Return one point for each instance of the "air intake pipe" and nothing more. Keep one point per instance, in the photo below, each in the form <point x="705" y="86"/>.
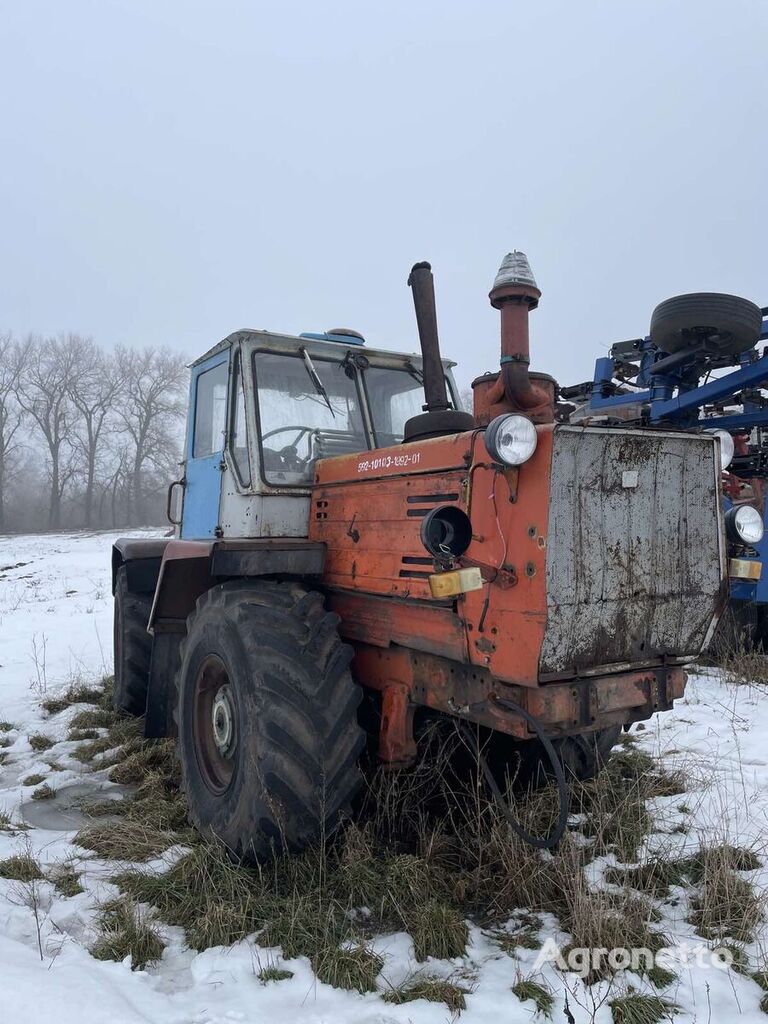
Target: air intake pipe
<point x="515" y="293"/>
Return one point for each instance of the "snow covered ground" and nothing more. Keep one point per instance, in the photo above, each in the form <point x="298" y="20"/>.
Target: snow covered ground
<point x="55" y="627"/>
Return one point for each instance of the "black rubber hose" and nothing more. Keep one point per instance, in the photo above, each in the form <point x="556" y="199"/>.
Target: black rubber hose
<point x="556" y="835"/>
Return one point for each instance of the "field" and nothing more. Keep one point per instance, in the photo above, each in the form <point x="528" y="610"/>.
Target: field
<point x="128" y="917"/>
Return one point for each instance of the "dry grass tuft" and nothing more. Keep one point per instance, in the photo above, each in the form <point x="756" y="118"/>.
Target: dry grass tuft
<point x="658" y="875"/>
<point x="353" y="967"/>
<point x="144" y="757"/>
<point x="215" y="900"/>
<point x="524" y="937"/>
<point x="76" y="694"/>
<point x="87" y="752"/>
<point x="636" y="1008"/>
<point x="39" y="742"/>
<point x="437" y="930"/>
<point x="727" y="905"/>
<point x="33" y="780"/>
<point x="94" y="718"/>
<point x="7" y="824"/>
<point x="66" y="880"/>
<point x="272" y="973"/>
<point x="127" y="839"/>
<point x="20" y="868"/>
<point x="126" y="931"/>
<point x="6" y="726"/>
<point x="541" y="994"/>
<point x="734" y="652"/>
<point x="79" y="735"/>
<point x="435" y="990"/>
<point x="615" y="802"/>
<point x="44" y="792"/>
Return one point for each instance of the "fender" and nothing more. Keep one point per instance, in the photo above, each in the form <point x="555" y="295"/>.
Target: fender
<point x="142" y="556"/>
<point x="190" y="567"/>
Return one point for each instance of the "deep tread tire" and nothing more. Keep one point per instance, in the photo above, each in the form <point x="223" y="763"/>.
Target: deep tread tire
<point x="132" y="647"/>
<point x="298" y="739"/>
<point x="676" y="321"/>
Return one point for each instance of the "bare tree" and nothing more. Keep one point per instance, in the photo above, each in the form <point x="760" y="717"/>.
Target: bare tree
<point x="150" y="408"/>
<point x="93" y="387"/>
<point x="43" y="391"/>
<point x="12" y="361"/>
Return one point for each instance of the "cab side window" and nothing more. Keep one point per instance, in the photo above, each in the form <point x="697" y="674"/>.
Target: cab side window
<point x="238" y="439"/>
<point x="210" y="411"/>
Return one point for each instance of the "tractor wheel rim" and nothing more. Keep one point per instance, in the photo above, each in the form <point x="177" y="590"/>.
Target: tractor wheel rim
<point x="215" y="724"/>
<point x="222" y="719"/>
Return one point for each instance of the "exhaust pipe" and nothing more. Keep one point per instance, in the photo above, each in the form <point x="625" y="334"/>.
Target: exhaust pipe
<point x="422" y="285"/>
<point x="438" y="418"/>
<point x="515" y="293"/>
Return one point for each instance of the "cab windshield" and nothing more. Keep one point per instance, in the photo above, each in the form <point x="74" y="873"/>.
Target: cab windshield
<point x="305" y="415"/>
<point x="394" y="395"/>
<point x="310" y="408"/>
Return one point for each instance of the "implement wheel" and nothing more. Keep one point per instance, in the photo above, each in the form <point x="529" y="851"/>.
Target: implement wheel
<point x="731" y="323"/>
<point x="266" y="711"/>
<point x="132" y="647"/>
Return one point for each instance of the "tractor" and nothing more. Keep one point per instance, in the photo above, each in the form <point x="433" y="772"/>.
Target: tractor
<point x="353" y="555"/>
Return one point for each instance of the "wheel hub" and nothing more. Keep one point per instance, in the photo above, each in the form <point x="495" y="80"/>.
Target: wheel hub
<point x="214" y="724"/>
<point x="222" y="719"/>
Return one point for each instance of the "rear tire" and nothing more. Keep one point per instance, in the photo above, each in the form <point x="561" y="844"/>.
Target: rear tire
<point x="132" y="647"/>
<point x="266" y="710"/>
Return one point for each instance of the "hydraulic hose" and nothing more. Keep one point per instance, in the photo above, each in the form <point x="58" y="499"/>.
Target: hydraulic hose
<point x="547" y="842"/>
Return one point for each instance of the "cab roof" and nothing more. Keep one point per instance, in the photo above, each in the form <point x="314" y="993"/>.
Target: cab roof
<point x="292" y="342"/>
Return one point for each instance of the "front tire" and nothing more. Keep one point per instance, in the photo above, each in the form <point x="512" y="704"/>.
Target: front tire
<point x="132" y="647"/>
<point x="267" y="718"/>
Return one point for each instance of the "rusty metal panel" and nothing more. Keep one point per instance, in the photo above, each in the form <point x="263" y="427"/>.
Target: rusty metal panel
<point x="635" y="553"/>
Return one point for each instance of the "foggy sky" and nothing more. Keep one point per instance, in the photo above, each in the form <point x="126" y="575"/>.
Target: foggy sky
<point x="172" y="170"/>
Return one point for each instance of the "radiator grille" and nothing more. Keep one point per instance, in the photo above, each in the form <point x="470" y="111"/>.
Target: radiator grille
<point x="635" y="559"/>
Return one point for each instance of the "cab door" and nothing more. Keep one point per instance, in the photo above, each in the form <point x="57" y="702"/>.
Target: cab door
<point x="205" y="447"/>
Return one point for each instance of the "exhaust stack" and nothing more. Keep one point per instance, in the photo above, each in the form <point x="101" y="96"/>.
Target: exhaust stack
<point x="439" y="416"/>
<point x="422" y="284"/>
<point x="515" y="293"/>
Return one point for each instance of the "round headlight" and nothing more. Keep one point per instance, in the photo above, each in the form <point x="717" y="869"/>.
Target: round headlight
<point x="744" y="524"/>
<point x="511" y="439"/>
<point x="726" y="447"/>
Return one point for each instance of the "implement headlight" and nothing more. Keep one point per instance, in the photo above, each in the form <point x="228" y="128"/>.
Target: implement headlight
<point x="511" y="439"/>
<point x="726" y="446"/>
<point x="744" y="524"/>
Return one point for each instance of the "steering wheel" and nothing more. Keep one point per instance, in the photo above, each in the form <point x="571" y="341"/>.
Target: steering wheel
<point x="289" y="455"/>
<point x="282" y="430"/>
